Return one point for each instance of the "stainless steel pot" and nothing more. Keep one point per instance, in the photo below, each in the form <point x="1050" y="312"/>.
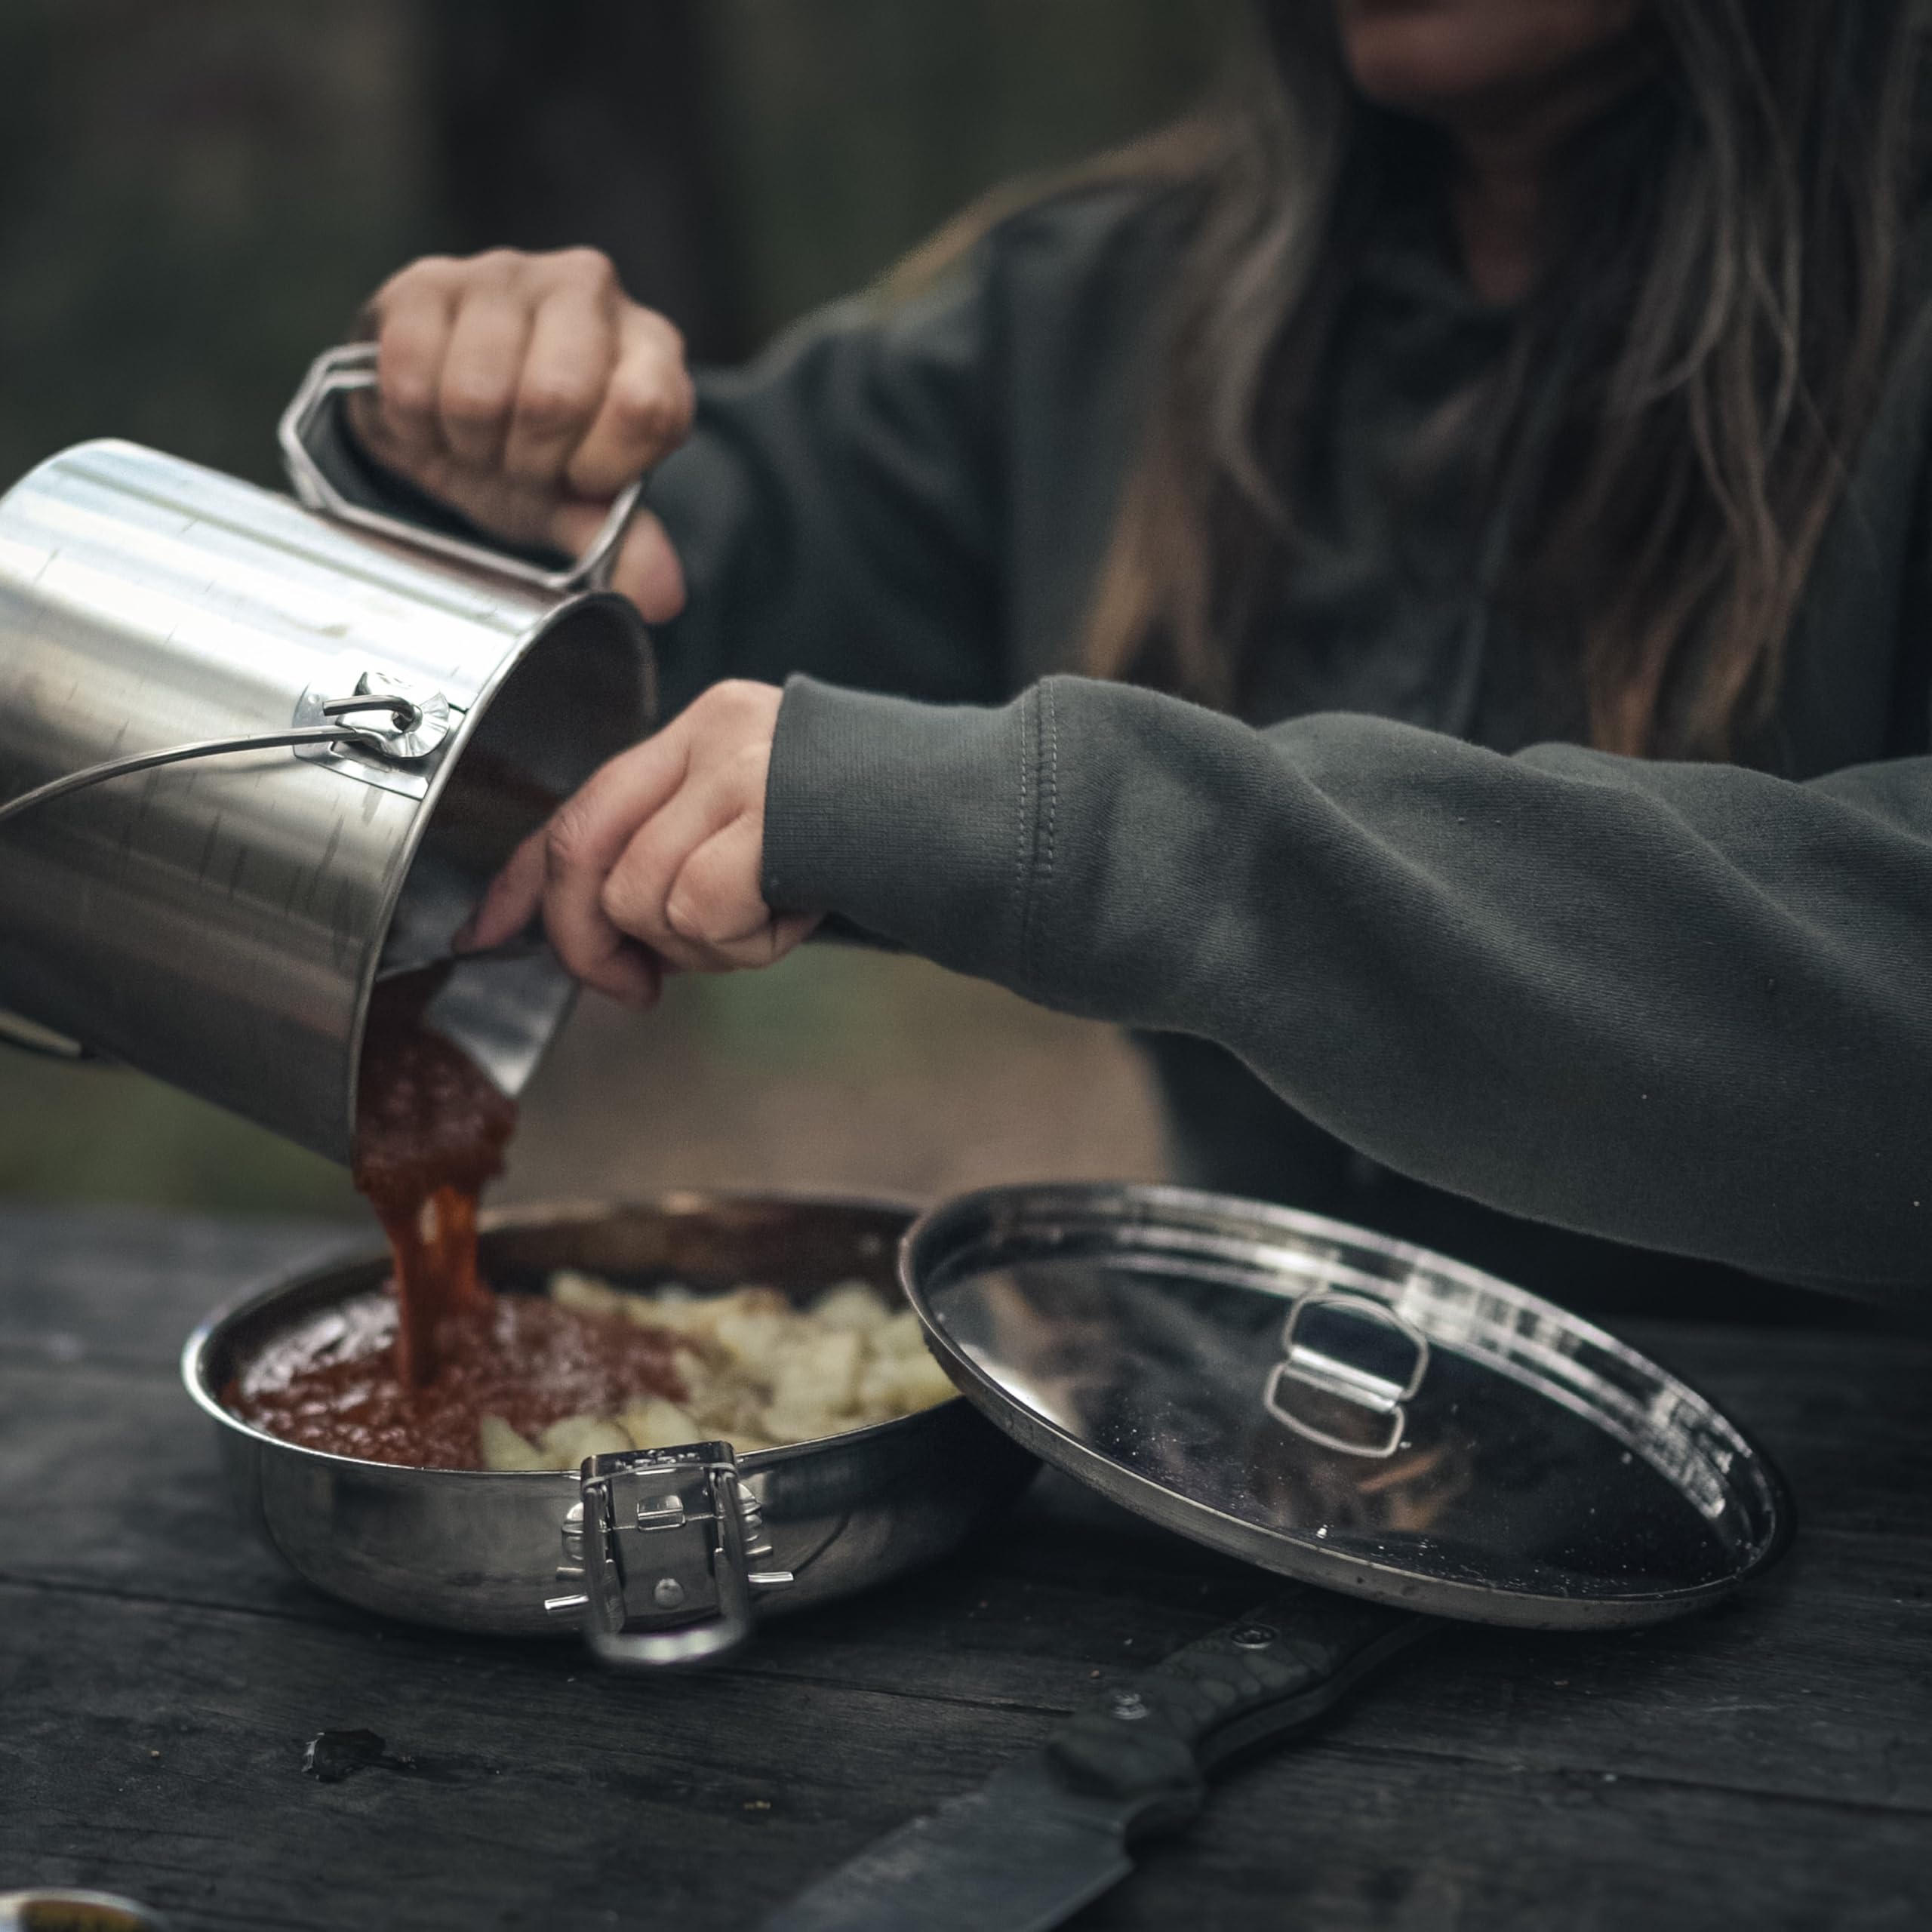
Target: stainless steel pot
<point x="253" y="755"/>
<point x="467" y="1550"/>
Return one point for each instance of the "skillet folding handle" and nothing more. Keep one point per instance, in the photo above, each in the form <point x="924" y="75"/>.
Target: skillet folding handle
<point x="339" y="372"/>
<point x="662" y="1542"/>
<point x="1151" y="1742"/>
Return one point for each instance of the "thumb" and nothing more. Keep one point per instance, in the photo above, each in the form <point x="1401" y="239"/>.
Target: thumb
<point x="648" y="571"/>
<point x="511" y="901"/>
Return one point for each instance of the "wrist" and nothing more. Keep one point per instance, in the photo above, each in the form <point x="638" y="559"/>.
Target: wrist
<point x="916" y="822"/>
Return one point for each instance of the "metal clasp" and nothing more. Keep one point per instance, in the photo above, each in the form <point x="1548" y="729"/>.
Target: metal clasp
<point x="397" y="726"/>
<point x="661" y="1542"/>
<point x="1352" y="1382"/>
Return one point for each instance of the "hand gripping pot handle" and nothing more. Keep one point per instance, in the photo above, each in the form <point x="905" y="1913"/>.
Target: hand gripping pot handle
<point x="352" y="368"/>
<point x="376" y="717"/>
<point x="418" y="723"/>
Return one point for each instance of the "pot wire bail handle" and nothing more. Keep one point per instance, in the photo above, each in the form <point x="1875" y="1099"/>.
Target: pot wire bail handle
<point x="411" y="722"/>
<point x="352" y="368"/>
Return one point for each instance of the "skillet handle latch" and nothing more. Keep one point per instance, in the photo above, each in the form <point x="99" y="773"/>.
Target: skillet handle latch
<point x="661" y="1545"/>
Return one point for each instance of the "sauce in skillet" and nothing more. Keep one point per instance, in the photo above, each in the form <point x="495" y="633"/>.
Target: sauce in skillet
<point x="430" y="1127"/>
<point x="334" y="1386"/>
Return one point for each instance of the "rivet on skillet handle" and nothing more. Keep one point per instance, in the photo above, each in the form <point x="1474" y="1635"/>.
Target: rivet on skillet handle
<point x="1346" y="1381"/>
<point x="661" y="1542"/>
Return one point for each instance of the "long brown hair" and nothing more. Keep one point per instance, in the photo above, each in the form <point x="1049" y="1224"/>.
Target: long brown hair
<point x="1699" y="357"/>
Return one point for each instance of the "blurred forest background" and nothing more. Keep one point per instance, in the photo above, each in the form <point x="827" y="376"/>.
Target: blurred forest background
<point x="195" y="197"/>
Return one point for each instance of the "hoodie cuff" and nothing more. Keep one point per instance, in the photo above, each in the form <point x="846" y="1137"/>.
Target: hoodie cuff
<point x="923" y="824"/>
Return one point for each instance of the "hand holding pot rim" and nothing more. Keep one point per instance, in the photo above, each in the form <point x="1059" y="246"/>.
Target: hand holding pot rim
<point x="528" y="392"/>
<point x="657" y="862"/>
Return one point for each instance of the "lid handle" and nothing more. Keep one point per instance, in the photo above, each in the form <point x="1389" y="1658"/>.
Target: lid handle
<point x="1358" y="1383"/>
<point x="338" y="371"/>
<point x="659" y="1547"/>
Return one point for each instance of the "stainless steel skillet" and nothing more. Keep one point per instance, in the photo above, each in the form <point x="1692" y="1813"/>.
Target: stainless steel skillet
<point x="474" y="1551"/>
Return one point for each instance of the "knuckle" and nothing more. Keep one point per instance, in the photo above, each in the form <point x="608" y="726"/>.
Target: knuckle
<point x="567" y="844"/>
<point x="590" y="268"/>
<point x="667" y="332"/>
<point x="646" y="409"/>
<point x="408" y="392"/>
<point x="474" y="402"/>
<point x="555" y="402"/>
<point x="620" y="902"/>
<point x="739" y="699"/>
<point x="427" y="275"/>
<point x="694" y="910"/>
<point x="496" y="265"/>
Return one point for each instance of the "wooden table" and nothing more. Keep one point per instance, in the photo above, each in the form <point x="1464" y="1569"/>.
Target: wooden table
<point x="1770" y="1765"/>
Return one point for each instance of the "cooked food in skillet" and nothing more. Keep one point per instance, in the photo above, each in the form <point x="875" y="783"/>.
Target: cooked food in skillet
<point x="755" y="1371"/>
<point x="527" y="1381"/>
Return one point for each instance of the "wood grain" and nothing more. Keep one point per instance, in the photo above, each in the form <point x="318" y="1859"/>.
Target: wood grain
<point x="1770" y="1765"/>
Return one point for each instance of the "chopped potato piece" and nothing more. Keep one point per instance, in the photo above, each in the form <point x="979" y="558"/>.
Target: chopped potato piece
<point x="818" y="1369"/>
<point x="900" y="1335"/>
<point x="504" y="1449"/>
<point x="850" y="1305"/>
<point x="757" y="1372"/>
<point x="584" y="1294"/>
<point x="567" y="1443"/>
<point x="654" y="1423"/>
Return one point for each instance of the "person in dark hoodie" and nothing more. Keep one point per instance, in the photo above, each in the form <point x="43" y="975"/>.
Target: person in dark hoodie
<point x="1410" y="593"/>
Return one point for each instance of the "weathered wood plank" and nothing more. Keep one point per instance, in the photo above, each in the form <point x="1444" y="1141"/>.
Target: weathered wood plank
<point x="128" y="1286"/>
<point x="1770" y="1765"/>
<point x="1812" y="1683"/>
<point x="544" y="1794"/>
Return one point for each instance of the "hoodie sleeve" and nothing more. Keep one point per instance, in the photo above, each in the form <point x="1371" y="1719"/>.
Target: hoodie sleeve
<point x="1687" y="1007"/>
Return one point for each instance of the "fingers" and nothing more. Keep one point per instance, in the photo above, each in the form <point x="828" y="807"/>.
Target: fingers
<point x="687" y="883"/>
<point x="480" y="368"/>
<point x="511" y="362"/>
<point x="585" y="841"/>
<point x="644" y="412"/>
<point x="655" y="864"/>
<point x="714" y="905"/>
<point x="513" y="900"/>
<point x="529" y="393"/>
<point x="568" y="365"/>
<point x="638" y="892"/>
<point x="624" y="971"/>
<point x="412" y="315"/>
<point x="647" y="570"/>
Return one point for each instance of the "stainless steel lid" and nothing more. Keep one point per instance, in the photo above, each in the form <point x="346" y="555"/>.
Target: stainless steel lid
<point x="1341" y="1407"/>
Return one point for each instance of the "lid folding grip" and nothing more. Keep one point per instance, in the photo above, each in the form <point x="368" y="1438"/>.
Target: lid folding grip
<point x="1358" y="1383"/>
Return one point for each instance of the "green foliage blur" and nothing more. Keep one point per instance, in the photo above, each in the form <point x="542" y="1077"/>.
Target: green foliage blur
<point x="196" y="197"/>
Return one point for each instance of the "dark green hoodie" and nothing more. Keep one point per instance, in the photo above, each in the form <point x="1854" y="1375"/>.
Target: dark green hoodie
<point x="1639" y="1034"/>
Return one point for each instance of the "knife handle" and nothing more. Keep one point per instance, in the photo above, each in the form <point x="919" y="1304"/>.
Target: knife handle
<point x="1151" y="1742"/>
